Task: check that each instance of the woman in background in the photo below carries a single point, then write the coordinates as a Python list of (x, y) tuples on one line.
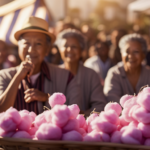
[(130, 75), (71, 43)]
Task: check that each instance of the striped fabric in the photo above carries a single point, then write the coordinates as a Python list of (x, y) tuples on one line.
[(14, 20), (20, 104)]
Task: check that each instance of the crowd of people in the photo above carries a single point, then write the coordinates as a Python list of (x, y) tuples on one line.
[(89, 70)]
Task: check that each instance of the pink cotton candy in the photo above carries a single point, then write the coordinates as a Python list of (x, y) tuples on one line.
[(22, 134), (133, 124), (116, 137), (89, 120), (7, 123), (105, 137), (72, 136), (82, 131), (141, 115), (110, 116), (74, 111), (60, 115), (147, 142), (81, 120), (40, 119), (57, 99), (33, 115), (92, 137), (6, 134), (131, 135), (24, 111), (131, 102), (123, 122), (48, 116), (32, 130), (125, 115), (144, 100), (145, 128), (26, 122), (48, 132), (146, 90), (113, 106), (14, 114), (102, 125), (72, 124), (124, 99)]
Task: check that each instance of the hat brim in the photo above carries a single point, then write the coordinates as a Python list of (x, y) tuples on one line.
[(20, 32)]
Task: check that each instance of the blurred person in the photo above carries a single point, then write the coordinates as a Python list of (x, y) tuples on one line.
[(92, 52), (54, 56), (114, 52), (29, 85), (101, 62), (128, 76), (71, 43), (6, 60)]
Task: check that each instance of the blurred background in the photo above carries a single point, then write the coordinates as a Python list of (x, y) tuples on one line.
[(95, 18)]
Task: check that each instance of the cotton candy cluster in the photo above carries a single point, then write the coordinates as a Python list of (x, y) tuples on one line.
[(130, 125), (60, 123)]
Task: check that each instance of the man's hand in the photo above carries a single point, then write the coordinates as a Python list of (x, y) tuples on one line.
[(34, 94), (26, 68)]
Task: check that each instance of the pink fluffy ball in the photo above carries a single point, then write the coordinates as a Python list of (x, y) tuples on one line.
[(105, 137), (72, 124), (14, 114), (60, 115), (22, 134), (132, 135), (33, 115), (116, 137), (6, 134), (113, 106), (147, 142), (124, 99), (81, 120), (48, 132), (74, 111), (72, 136), (110, 116), (123, 122), (141, 115), (144, 100), (104, 126), (57, 99), (39, 120), (7, 124), (92, 137), (145, 128), (26, 122)]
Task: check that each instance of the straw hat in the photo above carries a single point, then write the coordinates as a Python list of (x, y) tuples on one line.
[(35, 24)]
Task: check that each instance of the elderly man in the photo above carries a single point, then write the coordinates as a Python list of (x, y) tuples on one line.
[(29, 85)]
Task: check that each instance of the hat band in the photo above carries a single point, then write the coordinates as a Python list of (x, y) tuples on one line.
[(34, 27)]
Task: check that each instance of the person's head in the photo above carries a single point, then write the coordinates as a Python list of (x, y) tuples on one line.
[(133, 48), (34, 40), (71, 43), (116, 36), (3, 52), (102, 49)]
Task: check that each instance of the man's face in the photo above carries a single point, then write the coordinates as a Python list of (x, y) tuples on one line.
[(35, 45)]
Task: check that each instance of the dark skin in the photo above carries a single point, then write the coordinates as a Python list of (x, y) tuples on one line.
[(35, 45), (132, 57)]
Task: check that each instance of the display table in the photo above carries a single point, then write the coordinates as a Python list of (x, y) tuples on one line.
[(27, 144)]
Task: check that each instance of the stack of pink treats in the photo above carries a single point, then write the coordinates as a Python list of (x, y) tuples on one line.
[(65, 123)]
